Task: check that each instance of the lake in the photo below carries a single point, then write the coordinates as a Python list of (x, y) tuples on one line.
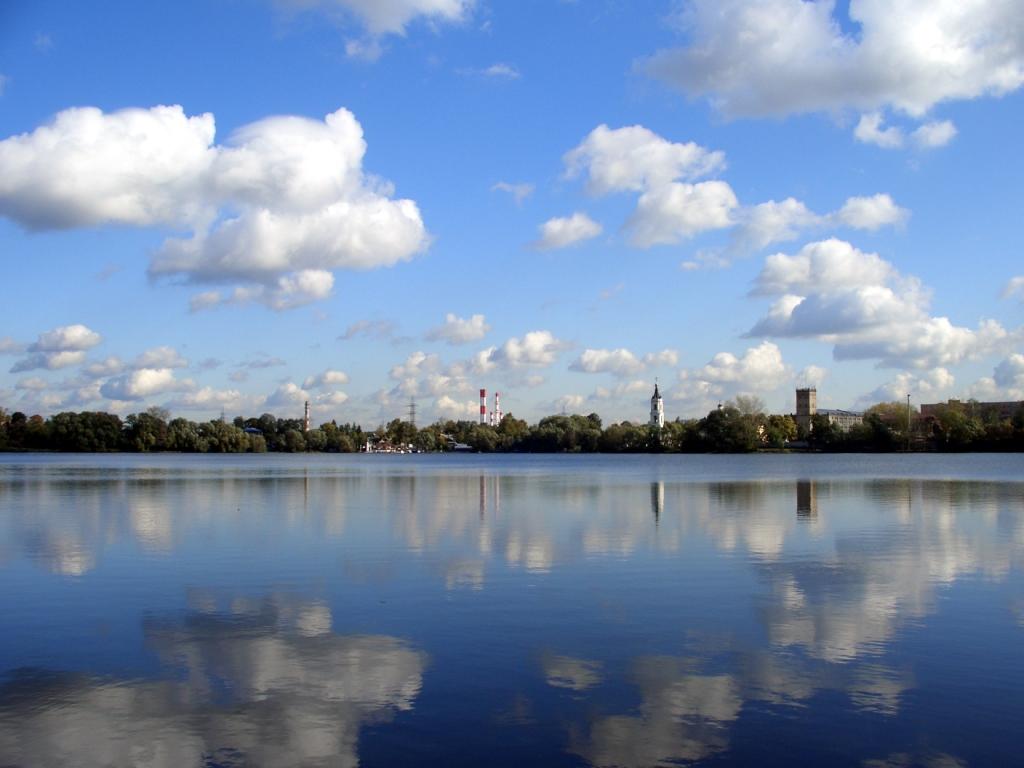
[(769, 610)]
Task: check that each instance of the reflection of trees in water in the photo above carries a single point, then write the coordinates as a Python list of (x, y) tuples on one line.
[(265, 684)]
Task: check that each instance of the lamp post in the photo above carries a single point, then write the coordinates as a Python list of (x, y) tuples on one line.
[(908, 421)]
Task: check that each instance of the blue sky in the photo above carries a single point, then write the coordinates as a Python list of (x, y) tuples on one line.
[(239, 205)]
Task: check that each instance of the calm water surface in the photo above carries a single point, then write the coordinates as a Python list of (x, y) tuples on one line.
[(524, 610)]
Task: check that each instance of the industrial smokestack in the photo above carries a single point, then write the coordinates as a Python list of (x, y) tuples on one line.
[(483, 406), (305, 419), (496, 416)]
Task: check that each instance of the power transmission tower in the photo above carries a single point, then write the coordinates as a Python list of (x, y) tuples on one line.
[(412, 411)]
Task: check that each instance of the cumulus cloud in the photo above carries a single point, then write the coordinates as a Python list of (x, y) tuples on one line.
[(619, 362), (143, 383), (286, 292), (326, 379), (394, 16), (664, 357), (519, 191), (634, 159), (673, 206), (568, 403), (1006, 382), (377, 330), (1014, 287), (869, 130), (9, 346), (871, 213), (212, 399), (457, 330), (262, 361), (676, 211), (288, 395), (811, 376), (929, 385), (934, 134), (160, 357), (778, 57), (32, 384), (623, 389), (773, 222), (501, 71), (447, 407), (273, 210), (561, 232), (759, 369), (864, 307), (536, 348), (59, 348)]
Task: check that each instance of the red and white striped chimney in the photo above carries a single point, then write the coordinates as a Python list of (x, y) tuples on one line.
[(497, 409), (483, 406)]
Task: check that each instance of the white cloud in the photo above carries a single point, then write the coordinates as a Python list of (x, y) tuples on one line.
[(288, 395), (274, 210), (871, 213), (934, 134), (210, 399), (621, 390), (772, 222), (392, 17), (286, 292), (565, 231), (204, 300), (447, 407), (370, 329), (415, 364), (519, 191), (811, 376), (334, 398), (869, 130), (32, 384), (619, 362), (1014, 287), (59, 348), (777, 57), (825, 265), (636, 159), (136, 166), (9, 346), (143, 383), (326, 379), (664, 357), (457, 330), (1009, 375), (536, 348), (929, 385), (760, 369), (672, 212), (861, 305), (160, 357), (501, 71), (568, 403)]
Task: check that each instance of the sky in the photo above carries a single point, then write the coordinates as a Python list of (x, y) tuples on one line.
[(236, 206)]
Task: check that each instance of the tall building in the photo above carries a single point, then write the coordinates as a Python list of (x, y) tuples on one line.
[(657, 409), (806, 407)]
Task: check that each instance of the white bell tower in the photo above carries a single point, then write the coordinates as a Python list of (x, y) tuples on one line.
[(657, 408)]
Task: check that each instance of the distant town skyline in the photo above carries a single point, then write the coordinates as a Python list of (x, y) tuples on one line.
[(240, 207)]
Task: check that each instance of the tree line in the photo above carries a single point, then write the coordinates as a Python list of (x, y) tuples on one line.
[(739, 426)]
